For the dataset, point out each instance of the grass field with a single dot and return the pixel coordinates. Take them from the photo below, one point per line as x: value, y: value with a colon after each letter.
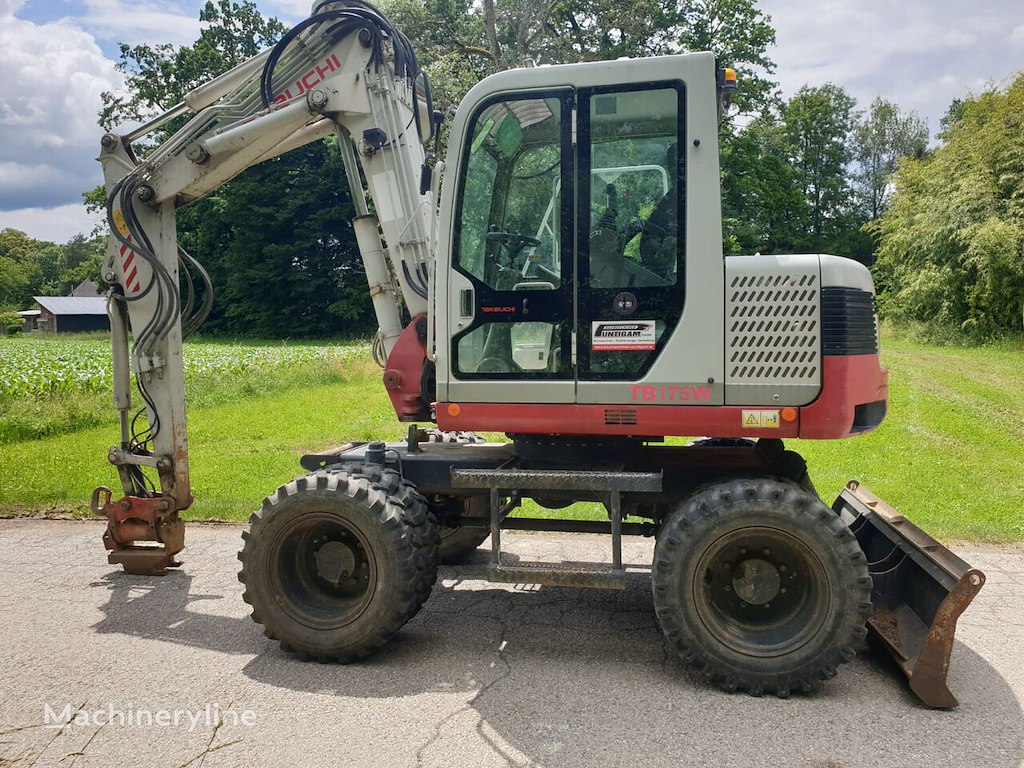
x: 950, y: 454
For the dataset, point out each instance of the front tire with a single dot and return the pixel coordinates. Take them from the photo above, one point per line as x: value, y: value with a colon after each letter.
x: 759, y: 585
x: 334, y: 564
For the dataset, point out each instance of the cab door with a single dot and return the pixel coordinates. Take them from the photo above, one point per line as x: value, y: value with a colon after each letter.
x: 631, y: 215
x: 510, y: 291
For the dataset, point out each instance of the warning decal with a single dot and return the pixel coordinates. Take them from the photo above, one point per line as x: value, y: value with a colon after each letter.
x: 760, y: 419
x: 119, y: 222
x: 622, y: 336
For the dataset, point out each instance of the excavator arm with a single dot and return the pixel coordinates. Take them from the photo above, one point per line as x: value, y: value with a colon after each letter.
x: 344, y: 71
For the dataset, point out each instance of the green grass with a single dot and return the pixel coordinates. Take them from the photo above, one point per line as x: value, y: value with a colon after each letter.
x: 57, y: 385
x: 949, y: 456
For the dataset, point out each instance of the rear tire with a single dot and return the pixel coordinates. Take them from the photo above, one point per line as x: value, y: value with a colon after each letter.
x: 759, y: 585
x: 459, y: 542
x: 464, y: 438
x: 334, y: 564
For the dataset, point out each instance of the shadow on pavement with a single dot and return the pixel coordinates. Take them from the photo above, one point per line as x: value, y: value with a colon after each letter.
x: 158, y: 608
x: 580, y: 678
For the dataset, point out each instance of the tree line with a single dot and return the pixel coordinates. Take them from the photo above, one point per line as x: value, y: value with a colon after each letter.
x: 31, y: 267
x: 813, y: 173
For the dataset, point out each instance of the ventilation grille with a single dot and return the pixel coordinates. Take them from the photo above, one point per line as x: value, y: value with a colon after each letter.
x: 773, y: 328
x: 622, y: 416
x: 848, y: 322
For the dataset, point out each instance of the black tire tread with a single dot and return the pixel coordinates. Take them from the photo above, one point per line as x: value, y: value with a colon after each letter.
x: 422, y: 522
x: 402, y: 514
x: 458, y: 543
x: 710, y: 504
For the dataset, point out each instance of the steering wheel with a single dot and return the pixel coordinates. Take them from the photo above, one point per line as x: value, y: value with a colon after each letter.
x: 513, y: 241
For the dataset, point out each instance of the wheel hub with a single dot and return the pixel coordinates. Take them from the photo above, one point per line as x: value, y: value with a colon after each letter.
x: 756, y: 581
x: 324, y: 572
x: 760, y: 591
x: 335, y: 561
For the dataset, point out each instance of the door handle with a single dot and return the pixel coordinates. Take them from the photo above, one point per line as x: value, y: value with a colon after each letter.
x: 466, y: 302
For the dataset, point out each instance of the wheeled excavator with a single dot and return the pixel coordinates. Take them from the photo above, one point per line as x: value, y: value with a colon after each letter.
x: 558, y: 278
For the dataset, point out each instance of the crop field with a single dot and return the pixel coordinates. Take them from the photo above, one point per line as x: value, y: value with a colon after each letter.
x: 31, y: 367
x: 949, y: 455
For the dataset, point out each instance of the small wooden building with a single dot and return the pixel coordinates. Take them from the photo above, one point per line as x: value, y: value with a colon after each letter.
x: 72, y: 314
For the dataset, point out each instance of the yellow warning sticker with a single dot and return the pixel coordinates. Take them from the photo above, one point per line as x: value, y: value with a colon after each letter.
x: 119, y: 222
x: 760, y: 419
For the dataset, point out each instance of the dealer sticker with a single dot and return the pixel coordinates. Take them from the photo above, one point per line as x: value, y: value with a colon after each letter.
x: 622, y: 335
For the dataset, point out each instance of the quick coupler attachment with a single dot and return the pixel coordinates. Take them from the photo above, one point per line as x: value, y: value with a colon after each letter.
x: 133, y: 519
x: 920, y: 589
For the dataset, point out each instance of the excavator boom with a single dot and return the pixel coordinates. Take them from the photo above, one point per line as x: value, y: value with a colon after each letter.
x: 345, y: 71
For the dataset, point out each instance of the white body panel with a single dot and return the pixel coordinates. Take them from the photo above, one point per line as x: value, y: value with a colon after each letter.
x: 772, y: 330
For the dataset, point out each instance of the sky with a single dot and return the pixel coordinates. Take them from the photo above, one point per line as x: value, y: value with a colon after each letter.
x: 58, y: 56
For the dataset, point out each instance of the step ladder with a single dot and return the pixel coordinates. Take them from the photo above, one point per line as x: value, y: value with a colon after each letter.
x: 511, y: 483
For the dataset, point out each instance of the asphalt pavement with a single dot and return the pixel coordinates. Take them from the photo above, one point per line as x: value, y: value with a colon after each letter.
x: 99, y: 669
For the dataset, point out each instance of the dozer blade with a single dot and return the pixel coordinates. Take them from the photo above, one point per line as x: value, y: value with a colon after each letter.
x: 920, y: 589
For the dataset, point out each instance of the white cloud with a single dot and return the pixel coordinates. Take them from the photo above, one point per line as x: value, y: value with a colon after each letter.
x: 10, y: 7
x: 288, y: 11
x: 49, y: 98
x: 920, y: 54
x: 140, y: 22
x: 57, y: 225
x: 53, y: 75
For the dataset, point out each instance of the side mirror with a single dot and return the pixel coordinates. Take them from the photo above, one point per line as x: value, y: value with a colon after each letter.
x: 423, y: 108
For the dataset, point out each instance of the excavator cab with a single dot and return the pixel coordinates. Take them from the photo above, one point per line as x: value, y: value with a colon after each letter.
x: 569, y: 235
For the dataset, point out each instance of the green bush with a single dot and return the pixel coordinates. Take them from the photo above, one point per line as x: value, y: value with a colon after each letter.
x: 11, y: 323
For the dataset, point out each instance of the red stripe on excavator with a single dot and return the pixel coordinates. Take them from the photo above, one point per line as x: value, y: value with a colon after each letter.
x: 126, y: 263
x: 569, y: 419
x: 849, y: 381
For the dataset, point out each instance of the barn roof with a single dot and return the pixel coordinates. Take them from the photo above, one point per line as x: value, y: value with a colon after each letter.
x: 73, y: 305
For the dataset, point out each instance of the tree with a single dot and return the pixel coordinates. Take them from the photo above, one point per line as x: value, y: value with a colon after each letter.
x: 19, y: 267
x: 30, y: 267
x: 82, y: 260
x: 740, y: 35
x: 951, y: 248
x: 287, y: 263
x: 159, y: 76
x: 460, y: 42
x: 277, y: 240
x: 818, y: 123
x: 763, y: 205
x: 954, y: 114
x: 880, y: 139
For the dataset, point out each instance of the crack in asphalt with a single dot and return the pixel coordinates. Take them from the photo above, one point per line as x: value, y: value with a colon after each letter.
x: 57, y: 734
x: 210, y: 749
x: 81, y: 752
x: 502, y: 644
